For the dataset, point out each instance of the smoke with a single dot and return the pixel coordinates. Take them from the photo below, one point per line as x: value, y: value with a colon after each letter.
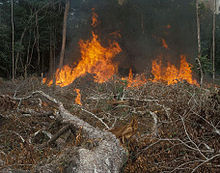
x: 142, y: 25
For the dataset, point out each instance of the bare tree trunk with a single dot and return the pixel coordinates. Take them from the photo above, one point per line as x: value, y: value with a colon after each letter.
x: 12, y: 40
x: 142, y: 23
x: 26, y: 64
x: 199, y: 43
x: 64, y: 33
x: 51, y: 63
x: 18, y: 53
x: 38, y: 40
x: 213, y: 41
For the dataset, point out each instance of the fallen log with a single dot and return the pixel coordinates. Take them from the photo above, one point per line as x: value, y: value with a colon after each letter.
x: 107, y: 156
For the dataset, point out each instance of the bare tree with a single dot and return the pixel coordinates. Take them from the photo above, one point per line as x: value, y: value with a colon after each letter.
x: 12, y: 40
x: 213, y: 41
x: 38, y: 40
x: 67, y: 6
x: 199, y: 43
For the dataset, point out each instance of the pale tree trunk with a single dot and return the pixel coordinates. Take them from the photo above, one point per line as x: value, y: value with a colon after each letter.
x: 18, y: 53
x: 12, y: 40
x: 51, y: 62
x: 213, y: 41
x: 142, y: 23
x: 67, y: 6
x: 38, y: 40
x: 199, y: 43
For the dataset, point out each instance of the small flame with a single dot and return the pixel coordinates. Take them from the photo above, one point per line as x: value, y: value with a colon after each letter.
x: 94, y: 18
x: 164, y: 44
x: 116, y: 34
x: 171, y: 74
x: 78, y: 97
x: 137, y: 82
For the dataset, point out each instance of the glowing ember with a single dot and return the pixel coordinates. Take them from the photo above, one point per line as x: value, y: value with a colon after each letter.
x: 94, y: 18
x: 95, y: 59
x: 138, y: 81
x: 164, y: 44
x: 171, y: 74
x: 78, y: 97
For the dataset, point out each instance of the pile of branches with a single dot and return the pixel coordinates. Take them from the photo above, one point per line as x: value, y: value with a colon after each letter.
x: 178, y: 125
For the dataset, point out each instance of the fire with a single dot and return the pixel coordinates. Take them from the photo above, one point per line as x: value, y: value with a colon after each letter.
x: 94, y: 18
x: 164, y: 44
x: 95, y: 59
x: 98, y: 60
x: 171, y: 74
x: 78, y: 97
x: 138, y: 81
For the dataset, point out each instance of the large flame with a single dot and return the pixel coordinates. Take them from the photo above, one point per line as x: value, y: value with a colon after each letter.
x: 95, y: 59
x: 171, y: 74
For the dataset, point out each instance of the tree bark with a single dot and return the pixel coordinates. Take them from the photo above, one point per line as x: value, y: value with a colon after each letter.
x: 67, y: 6
x: 51, y: 62
x: 213, y: 41
x: 199, y: 43
x: 18, y: 52
x: 38, y: 40
x: 12, y: 40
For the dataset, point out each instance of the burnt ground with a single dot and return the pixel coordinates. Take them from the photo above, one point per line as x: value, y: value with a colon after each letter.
x: 178, y: 125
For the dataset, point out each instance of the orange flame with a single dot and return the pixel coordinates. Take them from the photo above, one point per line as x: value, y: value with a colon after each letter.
x: 171, y: 74
x: 164, y: 44
x: 78, y: 97
x: 94, y: 18
x: 137, y: 82
x: 95, y: 59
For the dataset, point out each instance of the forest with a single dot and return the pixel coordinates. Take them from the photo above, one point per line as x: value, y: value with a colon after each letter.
x: 109, y: 86
x: 38, y: 29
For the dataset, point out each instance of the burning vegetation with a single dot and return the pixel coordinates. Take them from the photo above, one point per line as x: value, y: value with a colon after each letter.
x: 78, y: 97
x: 163, y: 123
x: 98, y: 61
x: 171, y: 74
x: 95, y: 59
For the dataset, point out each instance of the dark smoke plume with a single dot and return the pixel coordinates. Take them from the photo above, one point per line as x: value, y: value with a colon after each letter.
x: 142, y: 25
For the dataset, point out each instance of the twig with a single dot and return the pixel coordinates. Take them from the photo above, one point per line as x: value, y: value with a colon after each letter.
x: 205, y: 161
x: 187, y: 134
x: 17, y: 135
x: 93, y: 115
x: 57, y: 135
x: 186, y: 163
x: 215, y: 129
